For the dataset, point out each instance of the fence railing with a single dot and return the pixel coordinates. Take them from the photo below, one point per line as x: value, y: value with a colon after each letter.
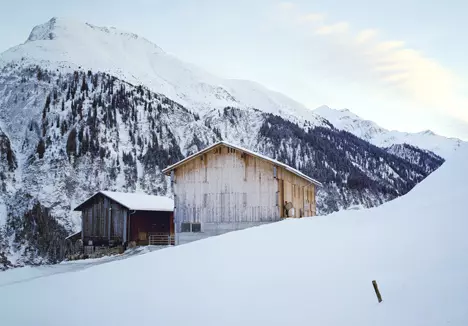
x: 161, y: 239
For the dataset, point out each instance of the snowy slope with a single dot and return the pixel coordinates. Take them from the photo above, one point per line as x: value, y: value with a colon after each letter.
x: 68, y: 45
x: 428, y: 160
x: 373, y: 133
x: 319, y: 274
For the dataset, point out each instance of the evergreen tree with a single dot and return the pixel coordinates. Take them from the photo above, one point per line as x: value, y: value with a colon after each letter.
x: 40, y: 150
x: 71, y: 143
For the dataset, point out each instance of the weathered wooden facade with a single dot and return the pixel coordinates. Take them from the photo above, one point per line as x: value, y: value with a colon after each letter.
x: 225, y: 187
x: 116, y: 218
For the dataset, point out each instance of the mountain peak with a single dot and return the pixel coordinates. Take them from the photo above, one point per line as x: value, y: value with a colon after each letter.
x: 44, y: 31
x: 427, y: 132
x: 61, y: 27
x: 67, y: 45
x: 324, y: 108
x: 335, y: 114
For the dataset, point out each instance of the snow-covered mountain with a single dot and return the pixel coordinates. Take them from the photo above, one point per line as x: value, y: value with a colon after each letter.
x: 70, y: 45
x: 85, y: 108
x: 373, y: 133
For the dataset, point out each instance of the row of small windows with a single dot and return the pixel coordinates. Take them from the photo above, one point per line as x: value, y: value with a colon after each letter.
x: 190, y: 227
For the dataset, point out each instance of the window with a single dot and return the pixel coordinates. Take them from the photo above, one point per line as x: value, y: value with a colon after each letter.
x: 196, y: 227
x: 190, y: 227
x: 277, y: 198
x: 185, y: 227
x: 275, y: 171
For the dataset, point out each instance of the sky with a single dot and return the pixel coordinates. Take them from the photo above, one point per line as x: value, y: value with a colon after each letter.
x: 400, y: 63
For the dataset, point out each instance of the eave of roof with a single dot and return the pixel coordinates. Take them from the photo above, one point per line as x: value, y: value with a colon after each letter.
x: 72, y: 235
x: 221, y: 143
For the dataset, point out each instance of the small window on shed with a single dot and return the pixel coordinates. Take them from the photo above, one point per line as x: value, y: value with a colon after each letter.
x: 275, y: 171
x: 185, y: 227
x: 196, y: 227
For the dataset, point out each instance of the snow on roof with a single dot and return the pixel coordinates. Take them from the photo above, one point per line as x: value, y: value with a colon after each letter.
x: 285, y: 166
x: 137, y: 201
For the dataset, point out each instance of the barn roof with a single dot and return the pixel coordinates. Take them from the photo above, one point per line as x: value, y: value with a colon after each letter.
x: 221, y: 143
x: 135, y: 201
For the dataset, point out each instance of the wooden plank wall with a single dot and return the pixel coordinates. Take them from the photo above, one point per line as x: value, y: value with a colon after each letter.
x: 298, y: 191
x: 224, y: 185
x: 100, y: 222
x: 227, y: 186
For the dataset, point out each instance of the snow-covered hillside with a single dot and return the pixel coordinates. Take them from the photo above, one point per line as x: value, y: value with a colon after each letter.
x: 71, y: 45
x: 373, y: 133
x: 313, y: 271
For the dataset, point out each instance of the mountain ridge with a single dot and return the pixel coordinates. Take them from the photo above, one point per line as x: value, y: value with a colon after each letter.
x: 345, y: 119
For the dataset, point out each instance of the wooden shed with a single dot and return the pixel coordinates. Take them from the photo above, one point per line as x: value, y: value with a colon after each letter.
x: 225, y: 187
x: 115, y: 218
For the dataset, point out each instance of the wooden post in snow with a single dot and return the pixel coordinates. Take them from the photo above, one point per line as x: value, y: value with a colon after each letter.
x: 377, y: 292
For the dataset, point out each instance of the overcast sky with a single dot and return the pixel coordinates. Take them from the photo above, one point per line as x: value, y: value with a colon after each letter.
x: 401, y: 63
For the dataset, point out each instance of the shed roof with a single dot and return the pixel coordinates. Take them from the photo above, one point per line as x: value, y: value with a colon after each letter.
x: 136, y: 201
x: 223, y: 143
x: 76, y: 234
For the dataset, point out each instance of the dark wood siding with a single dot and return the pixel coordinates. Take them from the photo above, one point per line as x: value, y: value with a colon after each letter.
x: 103, y: 220
x: 144, y: 223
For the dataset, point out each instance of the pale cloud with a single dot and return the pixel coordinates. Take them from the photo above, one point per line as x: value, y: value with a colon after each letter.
x: 311, y: 18
x: 362, y: 56
x: 366, y: 35
x: 385, y: 46
x: 338, y: 28
x: 286, y: 5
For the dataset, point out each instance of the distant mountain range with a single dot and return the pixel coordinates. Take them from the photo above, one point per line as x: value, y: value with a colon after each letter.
x: 86, y: 108
x: 373, y: 133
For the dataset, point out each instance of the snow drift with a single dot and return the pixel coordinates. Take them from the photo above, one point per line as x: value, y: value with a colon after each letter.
x: 313, y: 271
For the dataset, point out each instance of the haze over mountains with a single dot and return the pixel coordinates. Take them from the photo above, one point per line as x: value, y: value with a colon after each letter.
x: 86, y: 108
